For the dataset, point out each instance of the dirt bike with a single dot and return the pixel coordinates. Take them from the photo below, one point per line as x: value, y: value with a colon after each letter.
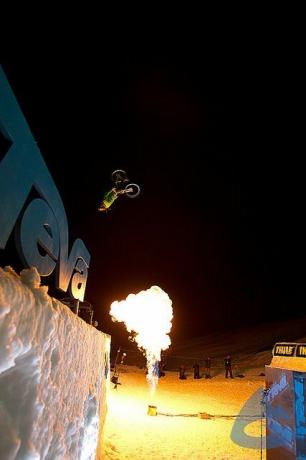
x: 121, y: 186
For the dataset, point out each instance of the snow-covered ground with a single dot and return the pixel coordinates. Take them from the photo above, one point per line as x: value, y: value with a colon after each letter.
x: 52, y: 375
x: 130, y: 433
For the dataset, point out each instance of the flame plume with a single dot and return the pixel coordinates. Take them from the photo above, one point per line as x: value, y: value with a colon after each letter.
x: 148, y: 316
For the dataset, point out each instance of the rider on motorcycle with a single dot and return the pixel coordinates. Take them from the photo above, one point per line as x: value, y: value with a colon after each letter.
x: 120, y: 180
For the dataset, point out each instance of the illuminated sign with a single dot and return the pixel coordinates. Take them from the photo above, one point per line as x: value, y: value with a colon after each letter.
x: 290, y: 349
x: 30, y: 203
x: 284, y: 349
x: 301, y: 350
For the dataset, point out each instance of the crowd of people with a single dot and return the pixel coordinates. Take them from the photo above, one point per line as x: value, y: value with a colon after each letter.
x: 207, y: 369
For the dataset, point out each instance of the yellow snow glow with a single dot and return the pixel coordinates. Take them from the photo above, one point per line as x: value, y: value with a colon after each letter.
x: 148, y: 315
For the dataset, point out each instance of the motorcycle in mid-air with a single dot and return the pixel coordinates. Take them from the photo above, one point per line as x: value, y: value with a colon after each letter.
x: 121, y: 186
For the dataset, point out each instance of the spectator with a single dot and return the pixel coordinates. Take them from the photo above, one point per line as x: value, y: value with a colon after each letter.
x: 207, y: 367
x: 228, y: 366
x: 182, y: 375
x: 162, y: 366
x: 196, y: 371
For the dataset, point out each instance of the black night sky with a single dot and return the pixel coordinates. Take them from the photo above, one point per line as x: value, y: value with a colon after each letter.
x: 215, y: 145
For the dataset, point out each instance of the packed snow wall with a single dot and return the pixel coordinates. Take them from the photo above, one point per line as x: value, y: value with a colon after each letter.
x: 54, y: 372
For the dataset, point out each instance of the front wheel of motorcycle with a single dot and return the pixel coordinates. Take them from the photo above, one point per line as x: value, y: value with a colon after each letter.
x: 132, y: 190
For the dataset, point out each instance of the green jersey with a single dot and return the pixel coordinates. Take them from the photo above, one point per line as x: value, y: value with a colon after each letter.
x: 109, y: 198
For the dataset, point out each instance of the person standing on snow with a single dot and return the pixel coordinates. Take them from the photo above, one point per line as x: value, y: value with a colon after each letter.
x: 228, y: 366
x: 196, y: 371
x: 182, y: 375
x: 207, y: 367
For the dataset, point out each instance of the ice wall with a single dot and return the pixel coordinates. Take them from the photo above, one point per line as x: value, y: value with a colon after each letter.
x: 53, y: 375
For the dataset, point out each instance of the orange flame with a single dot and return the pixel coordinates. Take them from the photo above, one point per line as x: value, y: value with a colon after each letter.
x: 148, y: 314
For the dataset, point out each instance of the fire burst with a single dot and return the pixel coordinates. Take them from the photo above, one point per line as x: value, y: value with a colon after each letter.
x: 148, y: 315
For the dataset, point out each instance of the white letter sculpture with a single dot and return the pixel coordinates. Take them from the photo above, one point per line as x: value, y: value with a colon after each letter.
x: 42, y: 228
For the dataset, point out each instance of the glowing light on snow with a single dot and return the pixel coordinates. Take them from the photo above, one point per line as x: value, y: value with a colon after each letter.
x: 148, y: 316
